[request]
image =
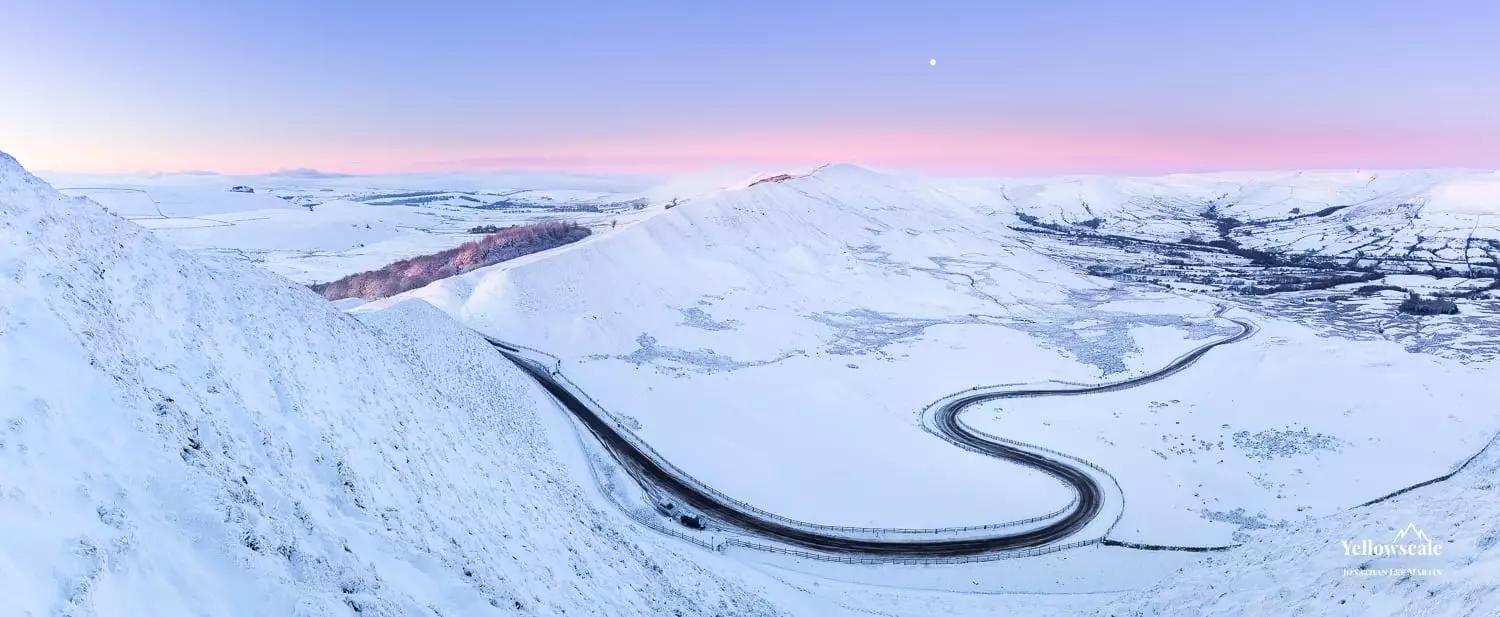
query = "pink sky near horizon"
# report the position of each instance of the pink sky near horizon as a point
(1081, 86)
(935, 151)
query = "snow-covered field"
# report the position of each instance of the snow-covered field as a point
(777, 341)
(316, 228)
(1440, 217)
(200, 437)
(1305, 568)
(1284, 426)
(778, 346)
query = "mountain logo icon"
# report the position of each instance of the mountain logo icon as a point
(1410, 540)
(1414, 530)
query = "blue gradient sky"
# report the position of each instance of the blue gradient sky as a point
(650, 85)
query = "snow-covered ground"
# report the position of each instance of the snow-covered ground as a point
(192, 437)
(778, 340)
(1284, 426)
(316, 228)
(1443, 217)
(1306, 568)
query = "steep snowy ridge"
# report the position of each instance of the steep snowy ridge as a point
(188, 437)
(783, 241)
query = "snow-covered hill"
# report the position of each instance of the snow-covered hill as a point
(1307, 569)
(1434, 218)
(777, 339)
(195, 437)
(763, 338)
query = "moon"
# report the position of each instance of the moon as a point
(932, 62)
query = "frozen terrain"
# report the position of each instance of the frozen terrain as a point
(188, 437)
(776, 342)
(777, 339)
(1306, 569)
(1438, 216)
(314, 227)
(764, 340)
(1276, 429)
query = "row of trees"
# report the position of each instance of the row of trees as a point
(407, 274)
(1417, 305)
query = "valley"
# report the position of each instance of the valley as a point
(828, 377)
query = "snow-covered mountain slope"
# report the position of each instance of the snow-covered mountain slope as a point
(777, 340)
(1433, 218)
(195, 437)
(765, 339)
(1307, 569)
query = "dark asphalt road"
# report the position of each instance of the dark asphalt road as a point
(648, 472)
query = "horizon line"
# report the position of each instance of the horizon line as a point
(306, 173)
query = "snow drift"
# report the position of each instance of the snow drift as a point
(190, 437)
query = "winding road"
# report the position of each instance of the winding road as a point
(650, 472)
